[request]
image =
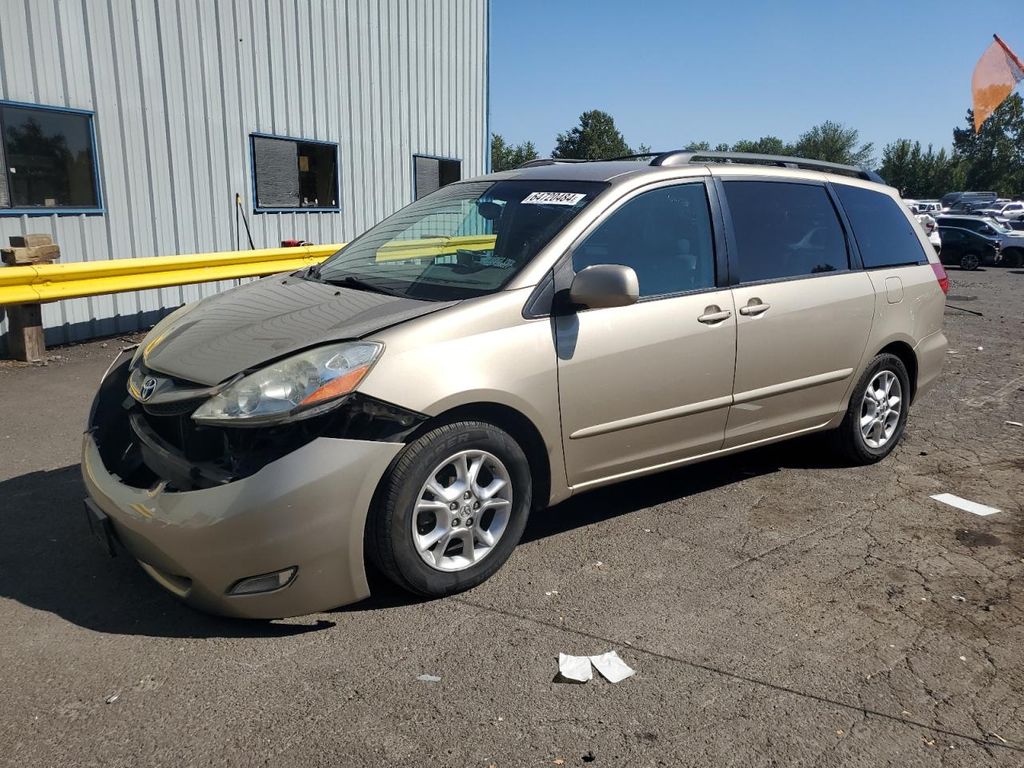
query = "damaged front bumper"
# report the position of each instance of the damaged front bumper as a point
(304, 510)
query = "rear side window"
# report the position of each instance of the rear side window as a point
(885, 236)
(784, 230)
(664, 235)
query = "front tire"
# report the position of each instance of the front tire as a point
(970, 262)
(877, 414)
(451, 509)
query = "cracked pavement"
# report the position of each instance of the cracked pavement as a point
(779, 609)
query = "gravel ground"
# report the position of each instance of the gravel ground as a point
(779, 610)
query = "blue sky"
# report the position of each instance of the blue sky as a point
(675, 72)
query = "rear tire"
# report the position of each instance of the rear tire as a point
(872, 427)
(1013, 258)
(439, 543)
(970, 262)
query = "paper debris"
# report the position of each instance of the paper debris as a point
(1014, 423)
(966, 505)
(574, 668)
(950, 351)
(428, 678)
(960, 598)
(612, 668)
(113, 697)
(981, 349)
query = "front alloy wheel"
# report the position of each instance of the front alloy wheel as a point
(462, 511)
(451, 509)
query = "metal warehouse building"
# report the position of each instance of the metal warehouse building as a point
(129, 127)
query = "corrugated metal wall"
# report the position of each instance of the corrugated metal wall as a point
(177, 86)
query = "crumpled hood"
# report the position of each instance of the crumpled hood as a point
(245, 327)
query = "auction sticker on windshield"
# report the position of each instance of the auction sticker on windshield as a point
(553, 198)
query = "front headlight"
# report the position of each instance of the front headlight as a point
(294, 388)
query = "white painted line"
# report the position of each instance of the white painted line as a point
(967, 506)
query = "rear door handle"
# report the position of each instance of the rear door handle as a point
(754, 308)
(714, 314)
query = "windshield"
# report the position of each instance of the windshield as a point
(464, 240)
(997, 226)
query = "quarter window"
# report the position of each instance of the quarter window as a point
(784, 230)
(664, 235)
(294, 174)
(432, 173)
(47, 159)
(884, 235)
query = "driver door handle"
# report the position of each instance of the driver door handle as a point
(754, 308)
(714, 314)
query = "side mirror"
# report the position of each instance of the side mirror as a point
(605, 285)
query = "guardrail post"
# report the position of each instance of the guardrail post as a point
(25, 332)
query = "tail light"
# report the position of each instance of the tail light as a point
(941, 276)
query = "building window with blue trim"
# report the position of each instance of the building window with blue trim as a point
(432, 173)
(47, 160)
(293, 174)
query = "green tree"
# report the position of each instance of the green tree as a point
(595, 138)
(505, 156)
(835, 143)
(993, 158)
(916, 172)
(766, 145)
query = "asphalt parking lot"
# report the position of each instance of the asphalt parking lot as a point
(779, 609)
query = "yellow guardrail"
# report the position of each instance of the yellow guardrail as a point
(428, 247)
(52, 282)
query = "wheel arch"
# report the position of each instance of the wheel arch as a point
(906, 354)
(511, 420)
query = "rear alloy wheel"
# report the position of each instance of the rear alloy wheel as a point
(970, 261)
(451, 509)
(877, 413)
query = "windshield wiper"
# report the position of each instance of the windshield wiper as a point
(351, 281)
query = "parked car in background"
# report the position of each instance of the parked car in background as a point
(952, 199)
(967, 249)
(931, 207)
(496, 347)
(1010, 240)
(1012, 210)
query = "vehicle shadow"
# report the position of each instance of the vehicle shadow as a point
(614, 500)
(50, 562)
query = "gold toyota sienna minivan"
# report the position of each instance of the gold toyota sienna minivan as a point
(496, 347)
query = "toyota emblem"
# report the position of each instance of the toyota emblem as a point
(148, 387)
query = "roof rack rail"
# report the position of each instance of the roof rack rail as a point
(683, 156)
(550, 161)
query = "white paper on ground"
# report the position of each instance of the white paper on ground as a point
(428, 678)
(966, 505)
(611, 667)
(574, 667)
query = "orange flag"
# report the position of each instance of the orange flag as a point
(995, 75)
